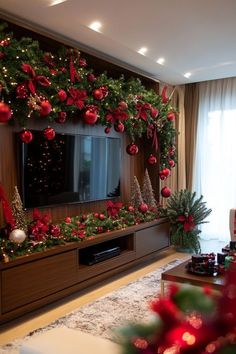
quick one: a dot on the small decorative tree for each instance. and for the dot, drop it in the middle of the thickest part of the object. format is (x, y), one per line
(147, 191)
(136, 195)
(185, 212)
(18, 211)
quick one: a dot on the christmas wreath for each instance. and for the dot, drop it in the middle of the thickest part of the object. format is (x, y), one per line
(60, 87)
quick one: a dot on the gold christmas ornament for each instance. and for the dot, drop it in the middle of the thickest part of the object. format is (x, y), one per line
(17, 236)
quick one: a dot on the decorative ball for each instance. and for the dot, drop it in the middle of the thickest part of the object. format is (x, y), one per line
(62, 95)
(49, 133)
(123, 105)
(130, 208)
(26, 136)
(17, 236)
(82, 63)
(98, 94)
(55, 230)
(100, 229)
(96, 215)
(166, 172)
(162, 177)
(132, 149)
(171, 116)
(152, 160)
(101, 216)
(172, 151)
(119, 127)
(67, 220)
(90, 117)
(91, 77)
(45, 108)
(171, 163)
(107, 130)
(5, 112)
(21, 91)
(109, 117)
(165, 192)
(61, 118)
(143, 208)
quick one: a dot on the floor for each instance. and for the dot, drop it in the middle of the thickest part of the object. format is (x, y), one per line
(43, 317)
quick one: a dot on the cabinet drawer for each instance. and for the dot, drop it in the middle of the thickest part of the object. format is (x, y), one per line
(152, 239)
(32, 281)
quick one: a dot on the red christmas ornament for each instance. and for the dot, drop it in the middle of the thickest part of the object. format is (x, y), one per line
(62, 95)
(132, 149)
(162, 177)
(107, 130)
(96, 215)
(130, 208)
(61, 118)
(4, 43)
(101, 216)
(143, 208)
(5, 112)
(55, 230)
(172, 151)
(104, 90)
(67, 220)
(152, 160)
(165, 192)
(82, 63)
(171, 163)
(91, 77)
(90, 116)
(100, 229)
(123, 105)
(26, 136)
(119, 127)
(45, 108)
(109, 117)
(171, 116)
(49, 133)
(98, 94)
(166, 172)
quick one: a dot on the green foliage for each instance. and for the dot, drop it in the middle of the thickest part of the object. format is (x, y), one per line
(185, 211)
(56, 68)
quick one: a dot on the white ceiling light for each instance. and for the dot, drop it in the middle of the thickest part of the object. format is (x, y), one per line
(95, 26)
(161, 61)
(56, 2)
(187, 75)
(142, 50)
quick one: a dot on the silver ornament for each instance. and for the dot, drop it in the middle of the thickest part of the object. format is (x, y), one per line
(17, 236)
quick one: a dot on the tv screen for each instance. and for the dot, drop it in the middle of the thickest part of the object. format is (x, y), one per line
(69, 169)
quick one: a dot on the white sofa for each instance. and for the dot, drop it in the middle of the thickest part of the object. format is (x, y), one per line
(68, 341)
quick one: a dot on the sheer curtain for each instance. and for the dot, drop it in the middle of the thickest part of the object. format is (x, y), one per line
(215, 168)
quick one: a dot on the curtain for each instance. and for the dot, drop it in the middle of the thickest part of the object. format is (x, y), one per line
(191, 101)
(177, 180)
(215, 168)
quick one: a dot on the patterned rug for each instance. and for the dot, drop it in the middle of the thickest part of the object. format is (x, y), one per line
(128, 303)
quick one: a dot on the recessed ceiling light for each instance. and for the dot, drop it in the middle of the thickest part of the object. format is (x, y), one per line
(95, 26)
(142, 50)
(187, 75)
(161, 61)
(56, 2)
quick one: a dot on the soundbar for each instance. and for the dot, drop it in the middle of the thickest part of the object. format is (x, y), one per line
(91, 258)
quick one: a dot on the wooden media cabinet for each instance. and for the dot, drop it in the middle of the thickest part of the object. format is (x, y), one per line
(29, 282)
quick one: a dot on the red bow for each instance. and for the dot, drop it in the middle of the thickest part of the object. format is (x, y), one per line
(113, 208)
(187, 222)
(142, 110)
(34, 79)
(76, 98)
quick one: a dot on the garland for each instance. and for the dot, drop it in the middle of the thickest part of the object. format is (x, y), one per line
(60, 87)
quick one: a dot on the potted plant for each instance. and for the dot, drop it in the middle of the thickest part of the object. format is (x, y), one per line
(185, 212)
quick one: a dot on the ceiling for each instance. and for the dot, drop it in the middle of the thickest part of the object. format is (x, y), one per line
(196, 36)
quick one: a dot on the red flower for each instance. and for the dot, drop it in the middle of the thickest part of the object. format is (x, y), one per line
(187, 221)
(113, 208)
(76, 98)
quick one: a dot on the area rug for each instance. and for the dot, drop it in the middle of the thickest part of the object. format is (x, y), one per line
(127, 304)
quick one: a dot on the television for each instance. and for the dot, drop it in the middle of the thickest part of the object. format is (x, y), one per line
(71, 168)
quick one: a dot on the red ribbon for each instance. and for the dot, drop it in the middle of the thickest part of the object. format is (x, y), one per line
(34, 79)
(73, 73)
(7, 212)
(187, 222)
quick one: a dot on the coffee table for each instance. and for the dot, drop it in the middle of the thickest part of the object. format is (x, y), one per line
(179, 274)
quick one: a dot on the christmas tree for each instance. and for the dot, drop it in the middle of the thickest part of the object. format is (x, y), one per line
(18, 212)
(147, 191)
(136, 195)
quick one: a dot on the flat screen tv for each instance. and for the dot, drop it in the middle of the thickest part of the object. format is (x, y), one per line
(69, 169)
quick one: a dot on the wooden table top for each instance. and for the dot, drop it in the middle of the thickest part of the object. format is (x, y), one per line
(179, 274)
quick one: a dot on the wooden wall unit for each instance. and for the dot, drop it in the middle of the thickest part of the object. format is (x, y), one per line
(25, 285)
(130, 165)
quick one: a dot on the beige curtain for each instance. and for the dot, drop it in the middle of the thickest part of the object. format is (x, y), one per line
(191, 102)
(177, 180)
